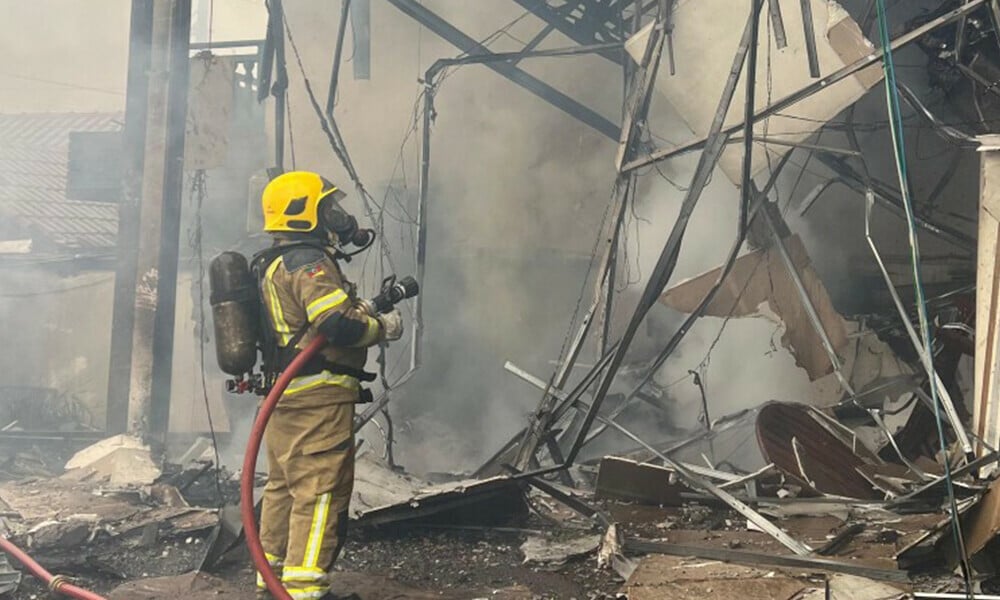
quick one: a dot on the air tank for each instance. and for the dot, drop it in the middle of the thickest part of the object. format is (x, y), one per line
(235, 302)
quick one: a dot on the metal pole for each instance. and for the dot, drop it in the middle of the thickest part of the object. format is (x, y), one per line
(421, 258)
(810, 33)
(280, 87)
(668, 257)
(331, 97)
(173, 185)
(777, 24)
(134, 144)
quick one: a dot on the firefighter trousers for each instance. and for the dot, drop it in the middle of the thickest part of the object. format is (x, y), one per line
(303, 523)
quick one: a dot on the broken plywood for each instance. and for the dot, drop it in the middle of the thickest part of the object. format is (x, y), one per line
(761, 279)
(982, 525)
(624, 479)
(703, 68)
(657, 577)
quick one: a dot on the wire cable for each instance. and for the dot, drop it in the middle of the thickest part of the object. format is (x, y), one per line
(197, 197)
(899, 150)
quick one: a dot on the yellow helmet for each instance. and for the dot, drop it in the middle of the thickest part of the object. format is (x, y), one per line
(291, 201)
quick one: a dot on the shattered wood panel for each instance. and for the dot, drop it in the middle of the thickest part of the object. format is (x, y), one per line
(983, 522)
(658, 577)
(792, 439)
(987, 402)
(767, 281)
(624, 479)
(702, 70)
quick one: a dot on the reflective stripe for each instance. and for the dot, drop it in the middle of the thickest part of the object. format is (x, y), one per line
(303, 574)
(309, 592)
(276, 563)
(324, 303)
(308, 382)
(371, 333)
(320, 514)
(277, 315)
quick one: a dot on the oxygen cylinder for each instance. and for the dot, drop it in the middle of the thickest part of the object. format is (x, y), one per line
(235, 306)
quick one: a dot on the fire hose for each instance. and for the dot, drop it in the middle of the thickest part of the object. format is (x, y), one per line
(56, 583)
(250, 467)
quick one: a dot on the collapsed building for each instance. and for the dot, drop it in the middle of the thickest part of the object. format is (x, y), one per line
(707, 299)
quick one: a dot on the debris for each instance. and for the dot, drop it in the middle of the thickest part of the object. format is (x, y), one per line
(62, 534)
(849, 587)
(190, 586)
(772, 560)
(658, 577)
(557, 550)
(612, 554)
(840, 539)
(805, 451)
(760, 279)
(982, 524)
(200, 450)
(10, 578)
(624, 479)
(122, 460)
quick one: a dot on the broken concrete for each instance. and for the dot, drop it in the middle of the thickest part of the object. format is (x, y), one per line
(121, 460)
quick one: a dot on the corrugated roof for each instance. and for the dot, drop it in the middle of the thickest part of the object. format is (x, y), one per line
(34, 158)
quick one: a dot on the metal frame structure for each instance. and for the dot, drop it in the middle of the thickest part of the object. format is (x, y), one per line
(600, 26)
(521, 451)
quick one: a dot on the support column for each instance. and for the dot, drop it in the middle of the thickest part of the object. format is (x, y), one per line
(160, 206)
(986, 412)
(134, 142)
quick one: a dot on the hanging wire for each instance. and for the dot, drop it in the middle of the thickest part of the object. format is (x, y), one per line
(196, 242)
(899, 150)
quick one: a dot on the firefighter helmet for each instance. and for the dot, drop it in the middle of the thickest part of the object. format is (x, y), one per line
(291, 201)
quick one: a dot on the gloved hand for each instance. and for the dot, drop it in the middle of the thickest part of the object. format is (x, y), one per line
(392, 325)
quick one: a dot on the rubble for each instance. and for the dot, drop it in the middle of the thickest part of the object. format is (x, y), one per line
(121, 460)
(546, 550)
(874, 479)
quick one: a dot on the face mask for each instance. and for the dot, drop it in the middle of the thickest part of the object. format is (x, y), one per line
(343, 226)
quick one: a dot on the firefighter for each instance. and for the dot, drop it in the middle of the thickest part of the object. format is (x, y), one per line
(309, 439)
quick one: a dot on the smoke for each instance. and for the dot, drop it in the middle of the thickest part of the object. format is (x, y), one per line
(519, 192)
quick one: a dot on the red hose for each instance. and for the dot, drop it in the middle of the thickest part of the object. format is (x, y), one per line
(250, 466)
(56, 583)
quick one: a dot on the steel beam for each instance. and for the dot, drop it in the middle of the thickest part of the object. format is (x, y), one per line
(462, 41)
(543, 11)
(813, 88)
